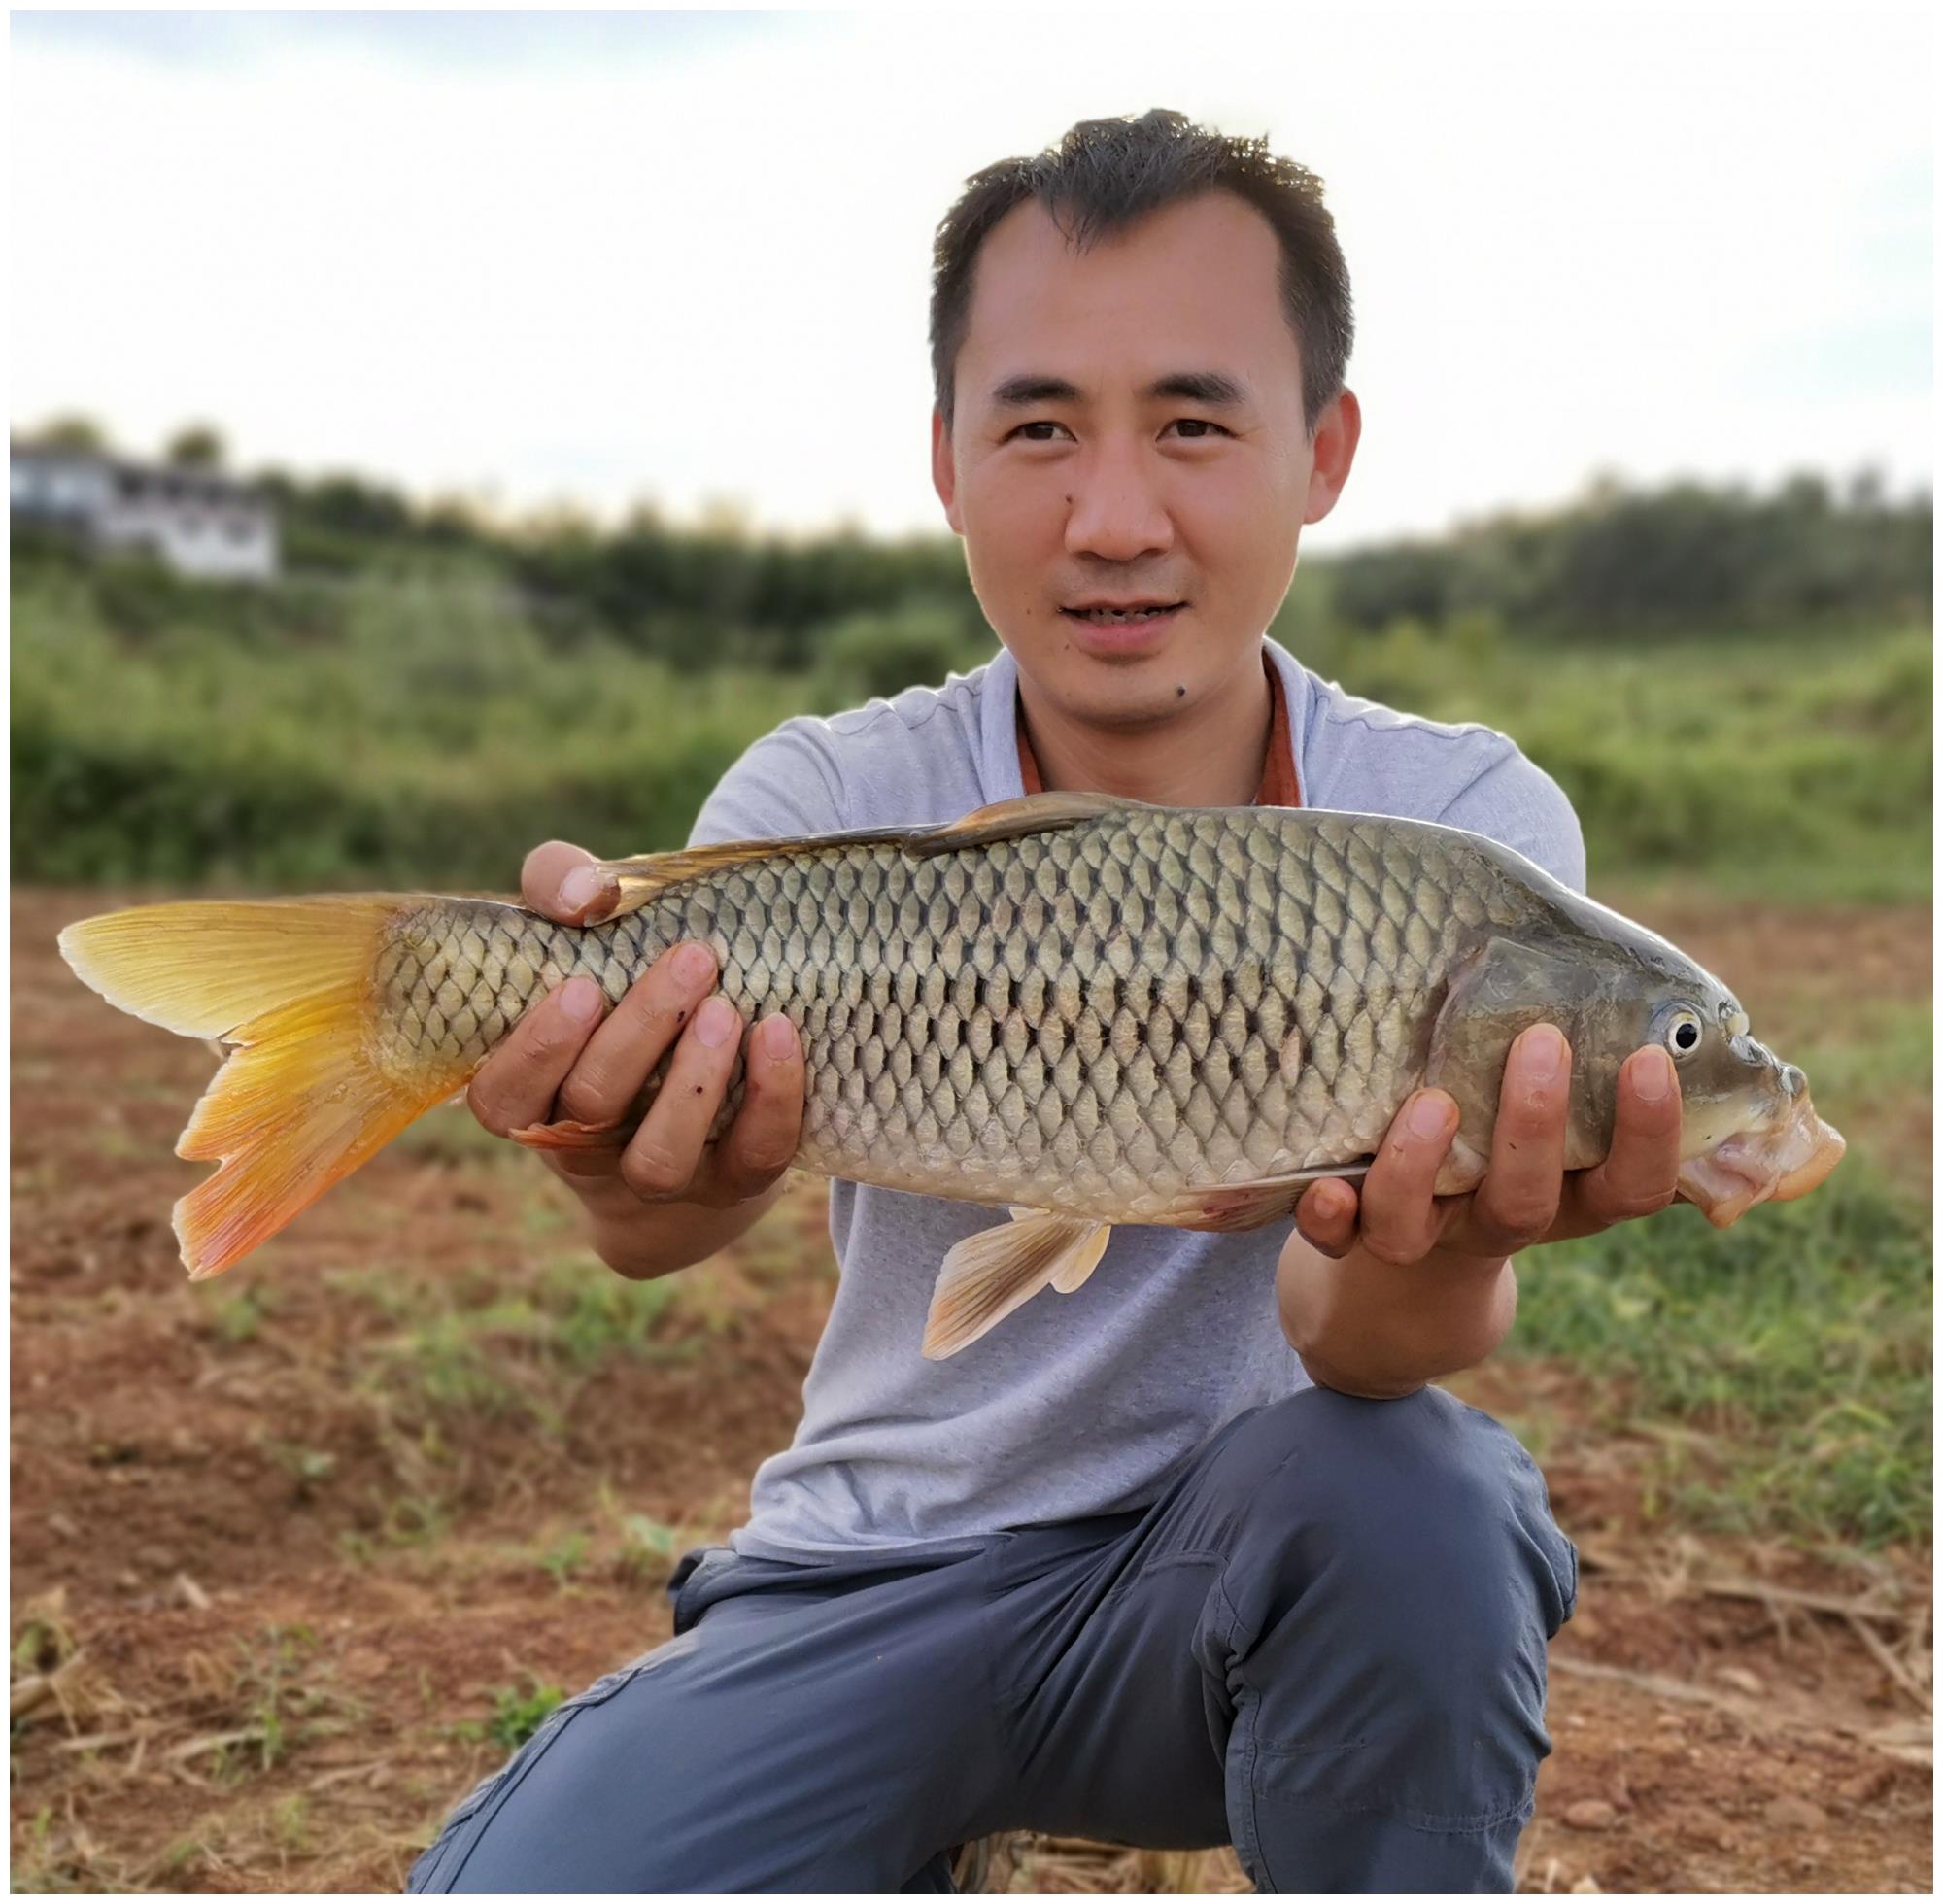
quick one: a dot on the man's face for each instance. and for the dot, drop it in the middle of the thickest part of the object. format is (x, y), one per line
(1129, 432)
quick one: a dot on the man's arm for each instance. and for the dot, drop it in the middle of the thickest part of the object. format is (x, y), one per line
(1388, 1287)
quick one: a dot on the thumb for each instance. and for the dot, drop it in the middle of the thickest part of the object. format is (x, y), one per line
(565, 882)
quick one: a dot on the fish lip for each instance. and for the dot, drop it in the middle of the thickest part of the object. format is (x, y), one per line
(1745, 1170)
(1117, 607)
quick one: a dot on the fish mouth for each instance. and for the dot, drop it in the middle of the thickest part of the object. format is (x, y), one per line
(1757, 1166)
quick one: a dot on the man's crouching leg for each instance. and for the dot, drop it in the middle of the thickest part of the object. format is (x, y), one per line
(1375, 1645)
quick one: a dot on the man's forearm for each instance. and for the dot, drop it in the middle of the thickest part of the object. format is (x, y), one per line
(1367, 1327)
(646, 1239)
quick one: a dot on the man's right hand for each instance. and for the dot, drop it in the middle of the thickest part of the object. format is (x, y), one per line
(650, 1192)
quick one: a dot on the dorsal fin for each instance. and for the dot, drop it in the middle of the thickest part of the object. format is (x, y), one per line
(645, 878)
(1013, 819)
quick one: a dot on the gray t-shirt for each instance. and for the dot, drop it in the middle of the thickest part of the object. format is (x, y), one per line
(1076, 1405)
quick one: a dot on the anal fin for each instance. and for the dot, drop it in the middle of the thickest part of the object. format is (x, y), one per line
(987, 1277)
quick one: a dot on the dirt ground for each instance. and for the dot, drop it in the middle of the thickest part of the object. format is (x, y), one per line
(284, 1550)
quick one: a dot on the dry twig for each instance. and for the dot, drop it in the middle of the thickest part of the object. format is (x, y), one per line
(1890, 1664)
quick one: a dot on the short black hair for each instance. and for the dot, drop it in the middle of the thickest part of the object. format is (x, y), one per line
(1107, 174)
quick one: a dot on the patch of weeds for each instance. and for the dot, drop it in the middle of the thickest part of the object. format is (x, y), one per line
(283, 1709)
(308, 1468)
(390, 1288)
(239, 1317)
(516, 1355)
(120, 1146)
(44, 1640)
(516, 1716)
(596, 1313)
(40, 1831)
(565, 1557)
(1798, 1342)
(544, 1216)
(646, 1548)
(289, 1823)
(414, 1521)
(471, 1361)
(649, 1550)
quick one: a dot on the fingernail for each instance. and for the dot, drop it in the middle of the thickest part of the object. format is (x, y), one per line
(694, 964)
(1429, 1114)
(778, 1036)
(1544, 1054)
(580, 1000)
(716, 1023)
(1652, 1075)
(584, 890)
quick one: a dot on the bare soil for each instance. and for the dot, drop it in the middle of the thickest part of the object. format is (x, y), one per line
(273, 1558)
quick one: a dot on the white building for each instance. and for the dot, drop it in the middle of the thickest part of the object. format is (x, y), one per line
(194, 521)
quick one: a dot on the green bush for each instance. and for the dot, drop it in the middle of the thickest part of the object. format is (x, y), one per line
(425, 727)
(865, 655)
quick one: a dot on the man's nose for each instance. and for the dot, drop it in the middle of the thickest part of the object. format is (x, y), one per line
(1116, 512)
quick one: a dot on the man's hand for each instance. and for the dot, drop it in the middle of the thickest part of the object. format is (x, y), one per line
(1528, 1196)
(570, 1058)
(1388, 1286)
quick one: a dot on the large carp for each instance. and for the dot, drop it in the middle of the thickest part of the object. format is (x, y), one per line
(1088, 1009)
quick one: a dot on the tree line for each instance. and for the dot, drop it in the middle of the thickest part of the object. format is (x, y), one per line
(1679, 559)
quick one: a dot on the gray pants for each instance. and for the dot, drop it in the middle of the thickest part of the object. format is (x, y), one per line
(1324, 1644)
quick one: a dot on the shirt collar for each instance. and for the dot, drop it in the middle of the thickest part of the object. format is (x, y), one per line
(1280, 783)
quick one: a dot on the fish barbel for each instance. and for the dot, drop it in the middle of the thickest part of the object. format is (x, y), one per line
(1088, 1009)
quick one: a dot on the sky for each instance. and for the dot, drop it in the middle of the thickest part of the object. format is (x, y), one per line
(598, 259)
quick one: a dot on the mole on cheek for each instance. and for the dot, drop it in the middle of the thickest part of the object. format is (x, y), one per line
(1180, 693)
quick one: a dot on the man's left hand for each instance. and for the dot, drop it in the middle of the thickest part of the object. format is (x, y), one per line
(1528, 1196)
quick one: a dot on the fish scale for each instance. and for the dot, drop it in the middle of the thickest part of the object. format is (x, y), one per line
(1096, 1019)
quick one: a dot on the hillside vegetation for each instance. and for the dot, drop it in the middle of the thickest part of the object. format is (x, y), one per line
(421, 700)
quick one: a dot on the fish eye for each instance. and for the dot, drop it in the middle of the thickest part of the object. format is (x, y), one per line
(1681, 1031)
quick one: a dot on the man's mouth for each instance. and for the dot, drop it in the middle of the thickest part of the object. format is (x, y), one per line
(1131, 615)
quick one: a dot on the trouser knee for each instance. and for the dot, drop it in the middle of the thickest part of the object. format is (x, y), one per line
(1396, 1575)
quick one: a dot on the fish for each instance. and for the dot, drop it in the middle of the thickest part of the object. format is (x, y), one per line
(1084, 1010)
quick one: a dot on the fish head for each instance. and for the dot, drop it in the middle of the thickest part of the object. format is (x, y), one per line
(1748, 1132)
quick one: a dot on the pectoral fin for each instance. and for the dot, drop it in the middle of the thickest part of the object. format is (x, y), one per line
(987, 1277)
(1222, 1206)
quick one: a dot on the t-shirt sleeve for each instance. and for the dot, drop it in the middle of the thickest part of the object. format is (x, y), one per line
(785, 784)
(1521, 807)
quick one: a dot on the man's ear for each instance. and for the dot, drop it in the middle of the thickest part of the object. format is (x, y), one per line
(1338, 430)
(943, 471)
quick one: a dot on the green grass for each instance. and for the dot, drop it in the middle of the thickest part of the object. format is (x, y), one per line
(428, 737)
(477, 1347)
(1796, 768)
(517, 1713)
(1794, 1346)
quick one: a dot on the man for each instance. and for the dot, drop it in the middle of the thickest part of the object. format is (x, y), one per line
(1180, 1560)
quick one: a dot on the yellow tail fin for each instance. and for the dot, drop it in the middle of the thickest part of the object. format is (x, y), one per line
(306, 1097)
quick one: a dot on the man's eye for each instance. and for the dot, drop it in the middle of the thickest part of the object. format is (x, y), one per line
(1044, 425)
(1196, 429)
